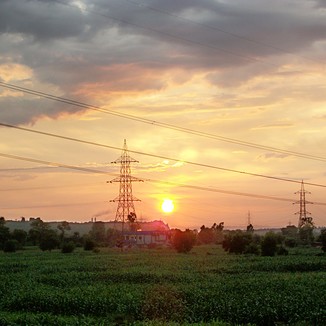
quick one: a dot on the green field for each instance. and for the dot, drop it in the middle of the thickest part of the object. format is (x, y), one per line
(161, 287)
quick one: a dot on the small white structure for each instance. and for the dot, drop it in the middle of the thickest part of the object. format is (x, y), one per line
(144, 238)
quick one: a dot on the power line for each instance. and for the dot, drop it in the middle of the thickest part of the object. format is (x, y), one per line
(159, 124)
(215, 28)
(78, 168)
(165, 34)
(54, 164)
(158, 156)
(52, 205)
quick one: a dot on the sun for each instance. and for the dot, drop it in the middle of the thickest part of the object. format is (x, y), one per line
(167, 206)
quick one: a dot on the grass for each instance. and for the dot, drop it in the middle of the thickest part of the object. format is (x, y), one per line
(161, 287)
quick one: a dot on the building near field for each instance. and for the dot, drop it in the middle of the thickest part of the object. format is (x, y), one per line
(145, 238)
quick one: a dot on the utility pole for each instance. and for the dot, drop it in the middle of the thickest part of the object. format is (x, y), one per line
(304, 220)
(125, 209)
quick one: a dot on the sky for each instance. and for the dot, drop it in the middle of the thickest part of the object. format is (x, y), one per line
(222, 103)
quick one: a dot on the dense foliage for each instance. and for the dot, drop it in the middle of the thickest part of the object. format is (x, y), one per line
(322, 239)
(183, 241)
(240, 242)
(135, 286)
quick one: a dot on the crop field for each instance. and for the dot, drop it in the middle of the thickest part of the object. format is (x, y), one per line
(161, 287)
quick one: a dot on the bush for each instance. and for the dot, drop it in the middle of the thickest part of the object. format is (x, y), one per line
(291, 242)
(282, 251)
(183, 241)
(68, 247)
(89, 244)
(237, 241)
(269, 244)
(49, 244)
(322, 239)
(10, 246)
(253, 249)
(306, 235)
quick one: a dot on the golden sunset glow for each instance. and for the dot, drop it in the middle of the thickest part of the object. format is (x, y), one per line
(223, 111)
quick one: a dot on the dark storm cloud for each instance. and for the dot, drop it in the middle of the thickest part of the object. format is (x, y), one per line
(114, 43)
(43, 20)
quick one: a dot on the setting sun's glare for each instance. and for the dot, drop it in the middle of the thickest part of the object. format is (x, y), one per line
(167, 206)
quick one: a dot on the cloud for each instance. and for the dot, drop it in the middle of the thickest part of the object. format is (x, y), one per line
(98, 51)
(274, 125)
(42, 20)
(268, 156)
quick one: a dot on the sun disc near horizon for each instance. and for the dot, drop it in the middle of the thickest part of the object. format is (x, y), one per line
(167, 206)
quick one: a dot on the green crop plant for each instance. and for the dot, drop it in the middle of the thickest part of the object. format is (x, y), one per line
(151, 287)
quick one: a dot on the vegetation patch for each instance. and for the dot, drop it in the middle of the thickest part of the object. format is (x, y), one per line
(162, 287)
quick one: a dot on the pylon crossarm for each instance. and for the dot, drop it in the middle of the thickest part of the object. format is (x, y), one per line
(125, 199)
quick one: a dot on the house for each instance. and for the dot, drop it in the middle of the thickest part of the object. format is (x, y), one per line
(145, 238)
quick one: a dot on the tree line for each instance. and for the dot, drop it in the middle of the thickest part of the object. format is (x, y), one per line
(46, 238)
(247, 242)
(237, 241)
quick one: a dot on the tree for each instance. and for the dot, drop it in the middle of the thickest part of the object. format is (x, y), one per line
(322, 239)
(67, 247)
(38, 228)
(20, 236)
(205, 235)
(112, 237)
(237, 241)
(290, 231)
(97, 232)
(183, 241)
(89, 244)
(211, 235)
(306, 236)
(76, 239)
(218, 233)
(269, 244)
(10, 246)
(63, 227)
(250, 228)
(49, 240)
(4, 232)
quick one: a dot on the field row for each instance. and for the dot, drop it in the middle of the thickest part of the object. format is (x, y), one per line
(141, 286)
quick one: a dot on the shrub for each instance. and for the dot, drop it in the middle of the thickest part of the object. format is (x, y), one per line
(20, 236)
(49, 240)
(183, 241)
(68, 247)
(49, 244)
(252, 248)
(306, 236)
(89, 244)
(237, 241)
(10, 246)
(322, 238)
(282, 251)
(291, 242)
(269, 244)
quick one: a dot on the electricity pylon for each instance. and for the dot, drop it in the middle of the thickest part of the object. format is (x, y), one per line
(125, 209)
(304, 220)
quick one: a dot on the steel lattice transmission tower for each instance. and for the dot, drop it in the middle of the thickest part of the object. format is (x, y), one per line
(303, 218)
(125, 199)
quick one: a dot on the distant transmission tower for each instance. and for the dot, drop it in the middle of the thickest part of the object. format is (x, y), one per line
(303, 218)
(126, 209)
(250, 227)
